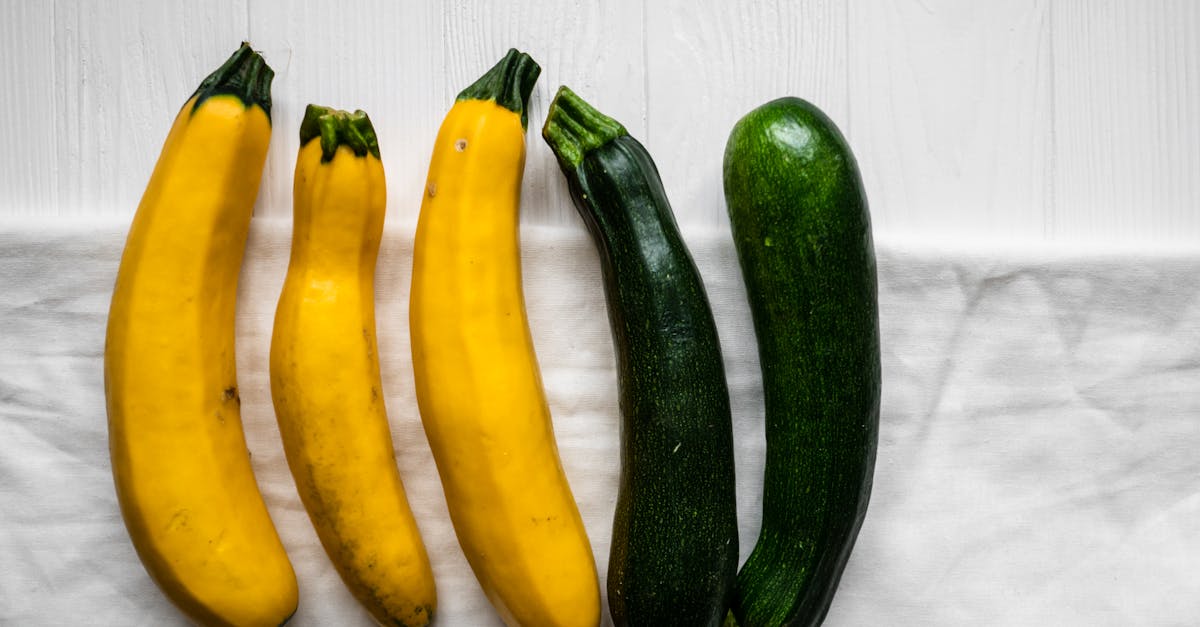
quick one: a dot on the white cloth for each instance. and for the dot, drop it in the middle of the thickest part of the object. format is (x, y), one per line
(1039, 451)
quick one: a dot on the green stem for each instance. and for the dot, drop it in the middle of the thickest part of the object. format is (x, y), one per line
(509, 83)
(574, 127)
(339, 128)
(244, 75)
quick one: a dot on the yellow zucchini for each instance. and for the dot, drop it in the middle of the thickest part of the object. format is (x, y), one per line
(325, 379)
(478, 384)
(182, 471)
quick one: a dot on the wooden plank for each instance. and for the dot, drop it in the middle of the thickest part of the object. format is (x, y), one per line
(1127, 120)
(378, 57)
(122, 70)
(27, 113)
(710, 62)
(594, 47)
(950, 115)
(1072, 121)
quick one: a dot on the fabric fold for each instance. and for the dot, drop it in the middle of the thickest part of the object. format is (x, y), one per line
(1037, 458)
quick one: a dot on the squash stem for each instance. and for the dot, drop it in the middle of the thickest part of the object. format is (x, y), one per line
(509, 83)
(339, 128)
(244, 75)
(574, 127)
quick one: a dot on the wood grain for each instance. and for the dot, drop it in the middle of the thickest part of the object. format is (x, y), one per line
(124, 70)
(711, 62)
(1127, 120)
(1070, 121)
(950, 115)
(25, 186)
(376, 57)
(118, 73)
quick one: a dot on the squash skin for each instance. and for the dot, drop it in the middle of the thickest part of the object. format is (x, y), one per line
(478, 383)
(802, 231)
(674, 549)
(325, 377)
(181, 469)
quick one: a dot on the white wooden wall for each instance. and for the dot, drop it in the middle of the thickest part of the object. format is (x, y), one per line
(1061, 120)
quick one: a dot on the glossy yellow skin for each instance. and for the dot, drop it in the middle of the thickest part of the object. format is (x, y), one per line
(182, 471)
(478, 384)
(328, 395)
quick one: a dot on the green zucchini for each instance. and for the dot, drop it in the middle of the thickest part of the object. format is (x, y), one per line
(803, 236)
(674, 549)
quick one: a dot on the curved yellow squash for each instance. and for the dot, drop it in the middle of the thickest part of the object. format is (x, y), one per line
(478, 384)
(183, 475)
(325, 379)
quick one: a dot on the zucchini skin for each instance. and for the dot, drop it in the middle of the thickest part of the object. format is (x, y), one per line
(478, 382)
(674, 547)
(326, 385)
(802, 230)
(181, 469)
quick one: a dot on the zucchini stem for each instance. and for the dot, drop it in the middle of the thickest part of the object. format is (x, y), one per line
(574, 127)
(339, 128)
(244, 75)
(509, 83)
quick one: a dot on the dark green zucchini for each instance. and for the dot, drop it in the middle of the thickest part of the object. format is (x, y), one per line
(803, 236)
(674, 548)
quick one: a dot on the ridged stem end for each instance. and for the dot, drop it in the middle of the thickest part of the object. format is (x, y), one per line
(509, 83)
(339, 128)
(574, 127)
(244, 75)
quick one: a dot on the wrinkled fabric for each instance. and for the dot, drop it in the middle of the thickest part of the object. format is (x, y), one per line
(1038, 456)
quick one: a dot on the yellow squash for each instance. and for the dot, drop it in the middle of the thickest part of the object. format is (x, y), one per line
(182, 471)
(478, 384)
(325, 379)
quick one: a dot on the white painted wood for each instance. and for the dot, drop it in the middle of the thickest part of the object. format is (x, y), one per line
(710, 62)
(95, 93)
(950, 114)
(381, 57)
(593, 46)
(28, 113)
(1070, 121)
(122, 71)
(1127, 120)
